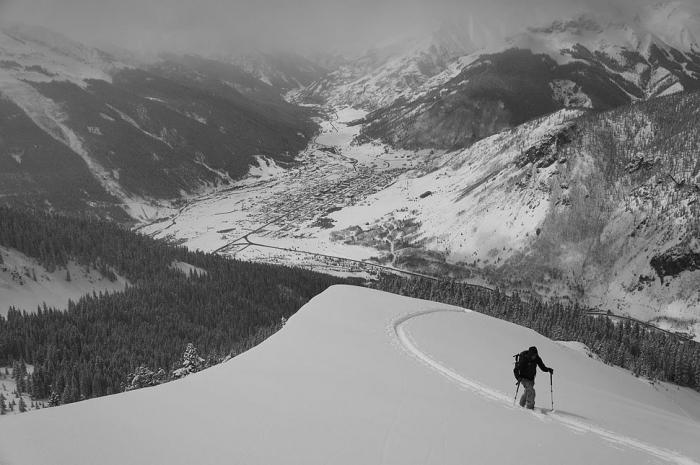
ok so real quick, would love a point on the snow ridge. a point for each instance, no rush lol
(404, 339)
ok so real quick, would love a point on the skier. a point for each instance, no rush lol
(525, 370)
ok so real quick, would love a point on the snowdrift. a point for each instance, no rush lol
(364, 377)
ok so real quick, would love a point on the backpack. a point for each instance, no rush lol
(519, 361)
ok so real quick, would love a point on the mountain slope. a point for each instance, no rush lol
(26, 284)
(283, 71)
(130, 134)
(357, 383)
(137, 302)
(587, 62)
(391, 70)
(602, 207)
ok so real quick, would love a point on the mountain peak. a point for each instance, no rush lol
(677, 23)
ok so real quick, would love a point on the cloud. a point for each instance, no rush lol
(211, 25)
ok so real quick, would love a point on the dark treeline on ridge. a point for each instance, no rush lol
(90, 349)
(653, 354)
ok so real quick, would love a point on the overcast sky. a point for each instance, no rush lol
(306, 25)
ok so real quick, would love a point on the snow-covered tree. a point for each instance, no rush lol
(54, 399)
(144, 377)
(191, 362)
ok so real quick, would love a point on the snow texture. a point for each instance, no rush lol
(360, 376)
(18, 287)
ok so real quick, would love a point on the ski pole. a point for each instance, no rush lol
(517, 388)
(551, 390)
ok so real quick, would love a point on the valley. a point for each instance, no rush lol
(548, 162)
(249, 246)
(286, 215)
(475, 215)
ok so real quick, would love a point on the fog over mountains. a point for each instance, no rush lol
(306, 25)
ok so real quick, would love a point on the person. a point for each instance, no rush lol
(525, 371)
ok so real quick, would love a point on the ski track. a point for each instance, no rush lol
(402, 338)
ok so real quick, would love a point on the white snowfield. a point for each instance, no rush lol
(363, 377)
(19, 289)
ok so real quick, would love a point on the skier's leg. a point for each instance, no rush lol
(530, 390)
(523, 398)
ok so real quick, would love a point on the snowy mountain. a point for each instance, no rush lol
(284, 71)
(676, 23)
(596, 207)
(601, 207)
(561, 161)
(586, 62)
(359, 376)
(82, 130)
(392, 69)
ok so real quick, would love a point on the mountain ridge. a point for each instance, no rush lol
(148, 134)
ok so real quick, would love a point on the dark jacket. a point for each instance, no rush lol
(526, 367)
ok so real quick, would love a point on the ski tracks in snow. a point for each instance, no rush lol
(404, 340)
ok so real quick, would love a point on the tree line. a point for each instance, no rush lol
(90, 349)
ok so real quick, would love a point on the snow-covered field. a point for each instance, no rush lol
(360, 376)
(26, 285)
(8, 389)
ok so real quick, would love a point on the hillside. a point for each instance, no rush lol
(601, 207)
(392, 69)
(26, 283)
(359, 376)
(286, 72)
(83, 130)
(92, 345)
(588, 61)
(596, 207)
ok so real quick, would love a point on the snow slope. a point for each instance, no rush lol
(8, 388)
(359, 376)
(19, 289)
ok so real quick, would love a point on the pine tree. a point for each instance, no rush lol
(22, 405)
(54, 399)
(144, 377)
(3, 405)
(191, 362)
